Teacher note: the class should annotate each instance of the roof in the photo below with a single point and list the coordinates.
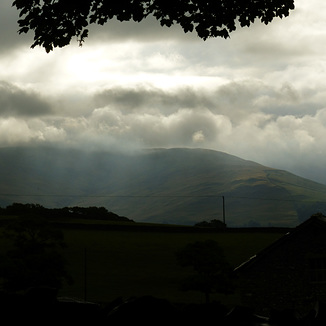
(318, 220)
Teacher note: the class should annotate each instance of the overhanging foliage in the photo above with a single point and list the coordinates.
(56, 22)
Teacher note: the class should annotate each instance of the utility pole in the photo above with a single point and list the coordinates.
(223, 210)
(85, 274)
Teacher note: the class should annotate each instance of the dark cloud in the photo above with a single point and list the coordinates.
(15, 101)
(146, 99)
(237, 100)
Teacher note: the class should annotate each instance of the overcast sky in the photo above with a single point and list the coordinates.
(260, 95)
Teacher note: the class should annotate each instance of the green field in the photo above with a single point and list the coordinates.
(108, 264)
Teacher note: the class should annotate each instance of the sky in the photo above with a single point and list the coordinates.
(259, 95)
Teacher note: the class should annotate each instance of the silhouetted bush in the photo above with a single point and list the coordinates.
(34, 258)
(212, 270)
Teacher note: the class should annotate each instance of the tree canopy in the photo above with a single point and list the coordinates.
(212, 270)
(34, 258)
(56, 22)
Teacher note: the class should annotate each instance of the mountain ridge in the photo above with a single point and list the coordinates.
(176, 185)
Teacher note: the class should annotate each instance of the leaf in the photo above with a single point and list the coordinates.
(23, 30)
(210, 18)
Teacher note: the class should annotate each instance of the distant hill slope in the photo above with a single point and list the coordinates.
(178, 186)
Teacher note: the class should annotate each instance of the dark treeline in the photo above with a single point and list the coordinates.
(212, 224)
(95, 213)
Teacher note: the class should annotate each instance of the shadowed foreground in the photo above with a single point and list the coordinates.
(42, 307)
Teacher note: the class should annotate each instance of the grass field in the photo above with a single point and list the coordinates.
(108, 264)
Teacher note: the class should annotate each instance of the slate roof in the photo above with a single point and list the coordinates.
(318, 220)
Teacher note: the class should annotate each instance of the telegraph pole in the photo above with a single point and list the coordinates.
(223, 210)
(85, 274)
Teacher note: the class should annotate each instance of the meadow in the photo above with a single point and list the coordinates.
(107, 264)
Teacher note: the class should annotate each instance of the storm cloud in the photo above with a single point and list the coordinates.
(15, 101)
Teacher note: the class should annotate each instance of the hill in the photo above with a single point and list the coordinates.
(177, 186)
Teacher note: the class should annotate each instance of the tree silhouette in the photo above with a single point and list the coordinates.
(56, 22)
(212, 271)
(34, 258)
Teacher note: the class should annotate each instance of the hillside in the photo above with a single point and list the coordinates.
(178, 186)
